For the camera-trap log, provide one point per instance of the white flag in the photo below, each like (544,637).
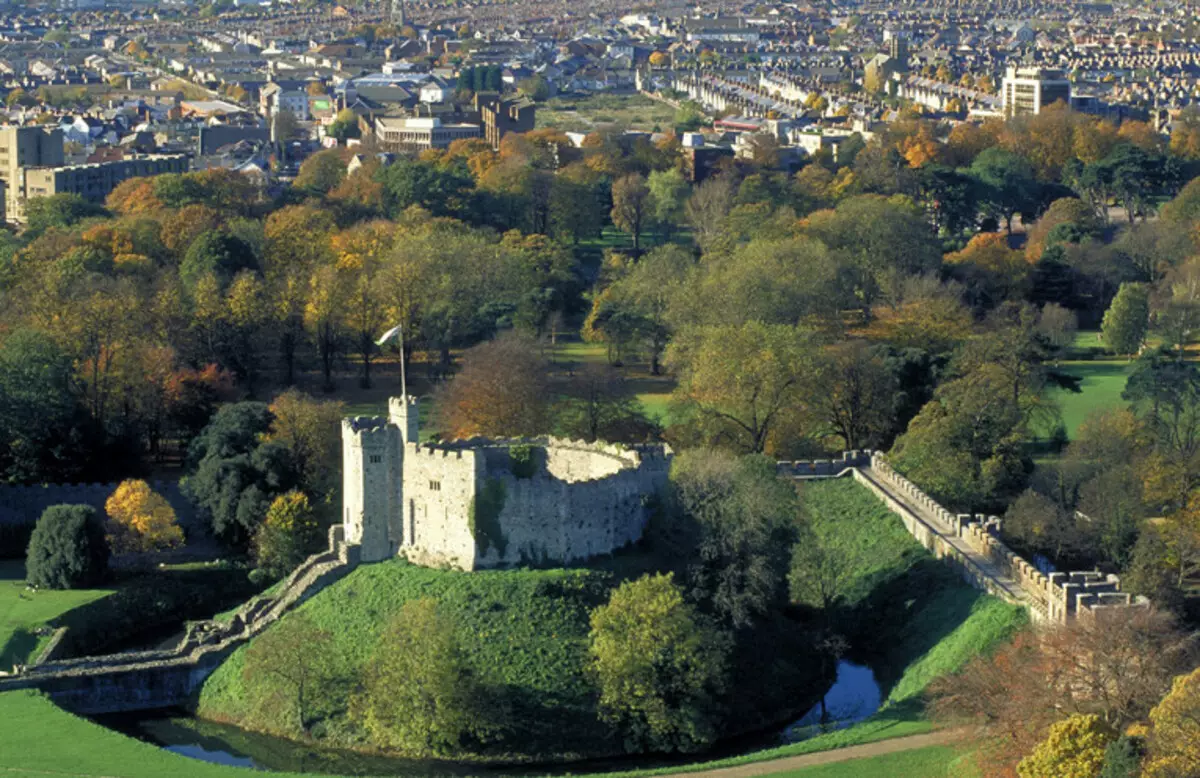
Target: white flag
(389,335)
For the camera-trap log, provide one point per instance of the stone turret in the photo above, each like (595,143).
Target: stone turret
(371,468)
(403,412)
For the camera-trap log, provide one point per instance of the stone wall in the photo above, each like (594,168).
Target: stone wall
(25,504)
(465,507)
(148,680)
(973,545)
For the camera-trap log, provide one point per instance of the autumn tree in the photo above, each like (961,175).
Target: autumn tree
(854,394)
(1074,747)
(658,666)
(321,172)
(289,531)
(1175,734)
(360,255)
(310,430)
(140,519)
(743,386)
(601,405)
(500,391)
(631,206)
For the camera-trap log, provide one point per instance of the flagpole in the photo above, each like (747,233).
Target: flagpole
(403,381)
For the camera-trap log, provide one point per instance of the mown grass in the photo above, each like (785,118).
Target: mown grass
(42,739)
(1101,387)
(23,611)
(928,762)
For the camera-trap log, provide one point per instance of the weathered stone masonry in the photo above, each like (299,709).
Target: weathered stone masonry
(483,503)
(973,545)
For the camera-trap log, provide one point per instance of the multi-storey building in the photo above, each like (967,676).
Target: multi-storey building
(1028,90)
(415,134)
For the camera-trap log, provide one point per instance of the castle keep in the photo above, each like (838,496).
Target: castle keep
(490,503)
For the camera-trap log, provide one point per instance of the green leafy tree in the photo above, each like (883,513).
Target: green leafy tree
(631,206)
(40,418)
(1128,319)
(67,549)
(321,172)
(1123,757)
(669,192)
(1008,185)
(659,667)
(419,694)
(1074,749)
(216,253)
(735,523)
(234,475)
(288,673)
(60,210)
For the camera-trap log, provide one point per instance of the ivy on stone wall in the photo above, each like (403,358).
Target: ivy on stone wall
(484,517)
(522,461)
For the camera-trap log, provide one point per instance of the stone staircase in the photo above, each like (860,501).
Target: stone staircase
(141,680)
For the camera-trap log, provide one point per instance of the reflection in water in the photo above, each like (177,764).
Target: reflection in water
(853,697)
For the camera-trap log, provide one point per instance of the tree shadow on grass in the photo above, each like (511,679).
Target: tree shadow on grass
(18,649)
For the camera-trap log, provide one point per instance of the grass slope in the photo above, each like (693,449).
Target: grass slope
(22,612)
(524,631)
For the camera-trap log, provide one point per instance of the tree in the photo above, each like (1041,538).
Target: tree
(60,210)
(419,694)
(1008,184)
(736,524)
(67,548)
(288,533)
(40,417)
(631,206)
(321,172)
(658,59)
(1074,748)
(361,252)
(310,431)
(315,89)
(1123,757)
(854,394)
(659,667)
(1127,320)
(601,405)
(140,519)
(288,671)
(707,208)
(500,391)
(668,196)
(743,384)
(344,126)
(233,474)
(1175,736)
(218,254)
(881,239)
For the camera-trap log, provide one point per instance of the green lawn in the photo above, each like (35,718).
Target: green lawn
(1103,382)
(23,611)
(585,113)
(929,762)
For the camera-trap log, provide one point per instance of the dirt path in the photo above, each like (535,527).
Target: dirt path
(787,764)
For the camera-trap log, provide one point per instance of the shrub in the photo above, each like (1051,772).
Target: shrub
(67,549)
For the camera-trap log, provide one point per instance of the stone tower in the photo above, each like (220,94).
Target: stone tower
(372,477)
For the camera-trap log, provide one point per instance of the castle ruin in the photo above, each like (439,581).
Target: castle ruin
(483,503)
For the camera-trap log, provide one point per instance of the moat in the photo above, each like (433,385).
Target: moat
(854,696)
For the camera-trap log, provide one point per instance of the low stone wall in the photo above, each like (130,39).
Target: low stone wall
(146,680)
(824,468)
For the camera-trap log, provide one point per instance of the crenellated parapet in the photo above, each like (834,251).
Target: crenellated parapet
(490,502)
(974,544)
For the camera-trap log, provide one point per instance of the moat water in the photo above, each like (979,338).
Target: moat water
(854,695)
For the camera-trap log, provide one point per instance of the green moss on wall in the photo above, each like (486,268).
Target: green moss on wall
(522,461)
(484,518)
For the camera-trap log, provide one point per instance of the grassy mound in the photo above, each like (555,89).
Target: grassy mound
(523,632)
(23,612)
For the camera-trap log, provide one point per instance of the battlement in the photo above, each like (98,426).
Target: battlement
(824,468)
(480,502)
(355,424)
